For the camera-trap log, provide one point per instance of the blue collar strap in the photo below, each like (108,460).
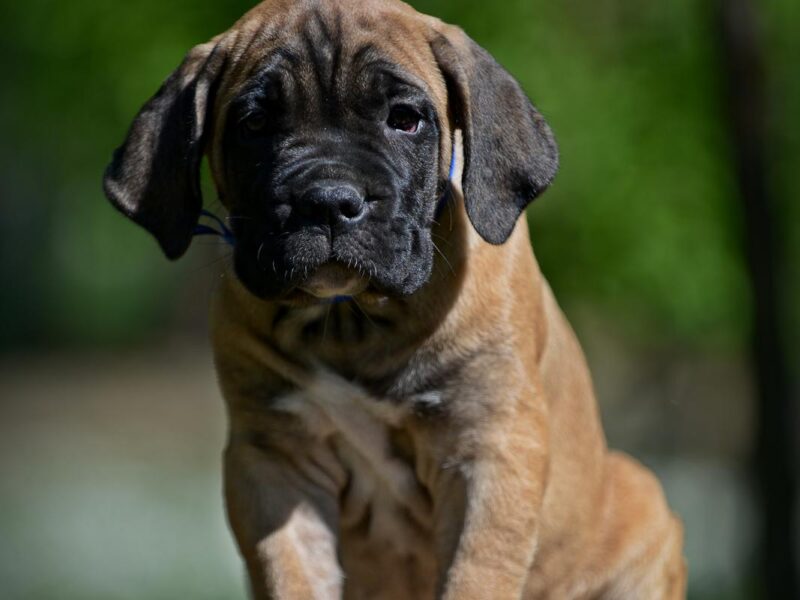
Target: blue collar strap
(226,234)
(452,172)
(446,196)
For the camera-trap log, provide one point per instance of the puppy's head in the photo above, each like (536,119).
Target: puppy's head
(328,126)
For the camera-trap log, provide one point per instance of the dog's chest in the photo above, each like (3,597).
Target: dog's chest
(371,449)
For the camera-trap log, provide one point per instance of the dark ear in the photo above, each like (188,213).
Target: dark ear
(510,154)
(154,177)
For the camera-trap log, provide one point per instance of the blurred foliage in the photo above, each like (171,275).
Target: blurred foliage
(642,223)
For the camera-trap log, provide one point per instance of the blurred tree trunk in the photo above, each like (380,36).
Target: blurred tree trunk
(775,462)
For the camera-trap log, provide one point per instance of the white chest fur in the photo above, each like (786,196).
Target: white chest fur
(382,487)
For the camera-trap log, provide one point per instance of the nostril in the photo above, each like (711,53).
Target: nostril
(332,203)
(351,207)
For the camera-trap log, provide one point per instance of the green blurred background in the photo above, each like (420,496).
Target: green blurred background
(111,422)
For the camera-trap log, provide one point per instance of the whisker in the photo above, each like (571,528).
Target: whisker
(214,262)
(444,240)
(325,322)
(363,312)
(258,256)
(211,241)
(444,257)
(450,210)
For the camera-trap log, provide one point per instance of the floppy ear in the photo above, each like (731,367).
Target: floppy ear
(154,177)
(510,154)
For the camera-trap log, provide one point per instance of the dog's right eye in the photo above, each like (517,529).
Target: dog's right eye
(254,123)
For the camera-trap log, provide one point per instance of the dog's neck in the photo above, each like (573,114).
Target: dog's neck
(371,336)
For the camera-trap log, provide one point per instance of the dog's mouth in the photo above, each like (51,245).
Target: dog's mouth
(332,280)
(309,266)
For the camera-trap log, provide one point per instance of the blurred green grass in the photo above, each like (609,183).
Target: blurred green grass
(641,223)
(110,479)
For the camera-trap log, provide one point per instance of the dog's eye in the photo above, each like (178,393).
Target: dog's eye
(404,118)
(254,122)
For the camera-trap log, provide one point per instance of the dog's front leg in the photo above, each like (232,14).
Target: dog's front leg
(284,522)
(488,505)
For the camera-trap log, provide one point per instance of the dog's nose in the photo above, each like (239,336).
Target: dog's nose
(335,204)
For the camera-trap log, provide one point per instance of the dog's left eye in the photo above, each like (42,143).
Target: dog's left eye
(404,118)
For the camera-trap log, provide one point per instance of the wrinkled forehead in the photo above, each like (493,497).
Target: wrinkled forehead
(321,42)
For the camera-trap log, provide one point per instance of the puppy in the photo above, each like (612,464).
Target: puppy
(410,414)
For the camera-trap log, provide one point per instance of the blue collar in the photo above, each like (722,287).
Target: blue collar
(446,195)
(227,235)
(224,232)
